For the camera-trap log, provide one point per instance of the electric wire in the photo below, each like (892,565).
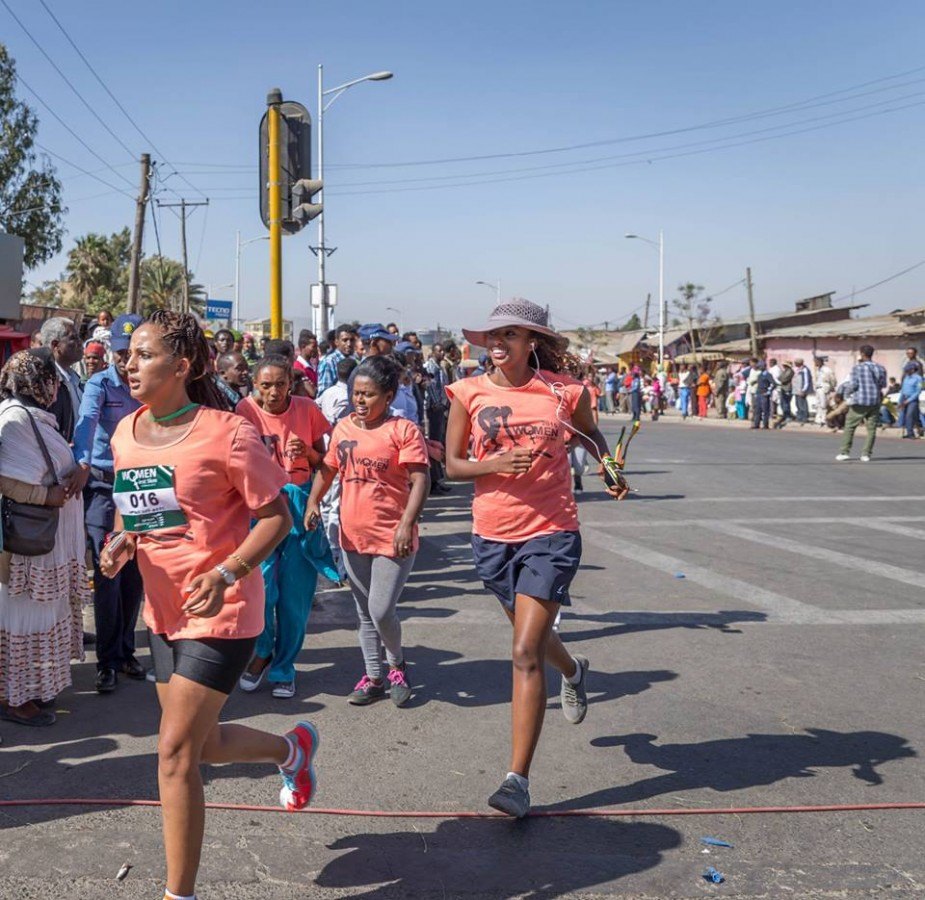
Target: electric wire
(638,137)
(808,103)
(647,157)
(646,161)
(882,281)
(68,81)
(72,133)
(115,100)
(83,171)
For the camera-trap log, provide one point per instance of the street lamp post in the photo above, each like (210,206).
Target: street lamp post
(321,328)
(660,246)
(495,287)
(238,246)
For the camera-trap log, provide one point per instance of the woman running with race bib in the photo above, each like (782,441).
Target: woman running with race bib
(520,418)
(188,480)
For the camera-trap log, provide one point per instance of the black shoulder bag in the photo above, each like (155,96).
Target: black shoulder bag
(28,529)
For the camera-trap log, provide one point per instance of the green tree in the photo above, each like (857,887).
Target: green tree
(97,272)
(162,286)
(30,193)
(632,324)
(697,313)
(48,293)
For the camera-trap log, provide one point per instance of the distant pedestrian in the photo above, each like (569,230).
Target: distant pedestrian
(635,393)
(685,383)
(825,383)
(866,386)
(802,388)
(764,387)
(703,394)
(720,388)
(610,390)
(909,395)
(785,394)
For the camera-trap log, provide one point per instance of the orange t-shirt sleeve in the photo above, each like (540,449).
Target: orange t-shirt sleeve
(412,450)
(255,476)
(319,424)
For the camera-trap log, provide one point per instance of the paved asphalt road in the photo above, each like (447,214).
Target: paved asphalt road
(784,667)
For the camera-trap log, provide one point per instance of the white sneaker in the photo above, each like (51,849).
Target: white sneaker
(284,690)
(842,457)
(865,459)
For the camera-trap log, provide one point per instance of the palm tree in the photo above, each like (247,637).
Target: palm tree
(89,267)
(162,286)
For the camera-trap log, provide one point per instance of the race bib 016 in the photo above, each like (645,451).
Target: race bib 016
(147,499)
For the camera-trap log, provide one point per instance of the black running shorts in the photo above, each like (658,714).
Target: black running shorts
(215,663)
(542,567)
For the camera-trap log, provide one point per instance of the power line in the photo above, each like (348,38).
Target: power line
(83,170)
(73,134)
(67,80)
(877,284)
(638,137)
(808,103)
(634,158)
(113,97)
(645,160)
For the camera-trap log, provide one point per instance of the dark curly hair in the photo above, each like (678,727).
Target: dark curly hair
(550,352)
(186,340)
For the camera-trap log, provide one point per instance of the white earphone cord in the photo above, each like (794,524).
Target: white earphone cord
(561,398)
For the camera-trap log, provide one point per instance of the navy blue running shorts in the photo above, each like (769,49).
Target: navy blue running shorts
(215,663)
(542,567)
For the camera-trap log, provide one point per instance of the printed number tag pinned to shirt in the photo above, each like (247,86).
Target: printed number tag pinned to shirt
(147,499)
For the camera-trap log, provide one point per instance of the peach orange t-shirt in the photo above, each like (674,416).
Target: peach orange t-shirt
(190,504)
(515,508)
(373,467)
(303,419)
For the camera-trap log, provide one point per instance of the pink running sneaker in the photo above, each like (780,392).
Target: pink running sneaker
(400,690)
(300,782)
(366,691)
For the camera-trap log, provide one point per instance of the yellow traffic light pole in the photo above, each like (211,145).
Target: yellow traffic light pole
(275,211)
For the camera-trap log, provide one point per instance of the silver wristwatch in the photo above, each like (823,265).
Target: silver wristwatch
(229,577)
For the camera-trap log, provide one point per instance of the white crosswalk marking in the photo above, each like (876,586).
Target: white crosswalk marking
(872,567)
(780,609)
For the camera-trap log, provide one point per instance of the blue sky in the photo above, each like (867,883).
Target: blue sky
(833,208)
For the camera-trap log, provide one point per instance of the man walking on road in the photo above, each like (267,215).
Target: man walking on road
(865,393)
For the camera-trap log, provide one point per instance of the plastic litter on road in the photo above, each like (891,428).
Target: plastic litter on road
(715,842)
(713,875)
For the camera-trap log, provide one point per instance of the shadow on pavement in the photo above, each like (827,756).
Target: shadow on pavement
(536,858)
(632,623)
(733,764)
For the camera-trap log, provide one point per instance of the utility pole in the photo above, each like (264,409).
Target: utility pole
(752,331)
(645,321)
(274,99)
(184,205)
(134,271)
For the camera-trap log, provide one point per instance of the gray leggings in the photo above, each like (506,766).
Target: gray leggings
(377,583)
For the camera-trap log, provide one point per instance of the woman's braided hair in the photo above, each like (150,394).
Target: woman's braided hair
(186,340)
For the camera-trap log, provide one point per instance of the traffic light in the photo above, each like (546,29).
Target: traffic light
(303,210)
(295,159)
